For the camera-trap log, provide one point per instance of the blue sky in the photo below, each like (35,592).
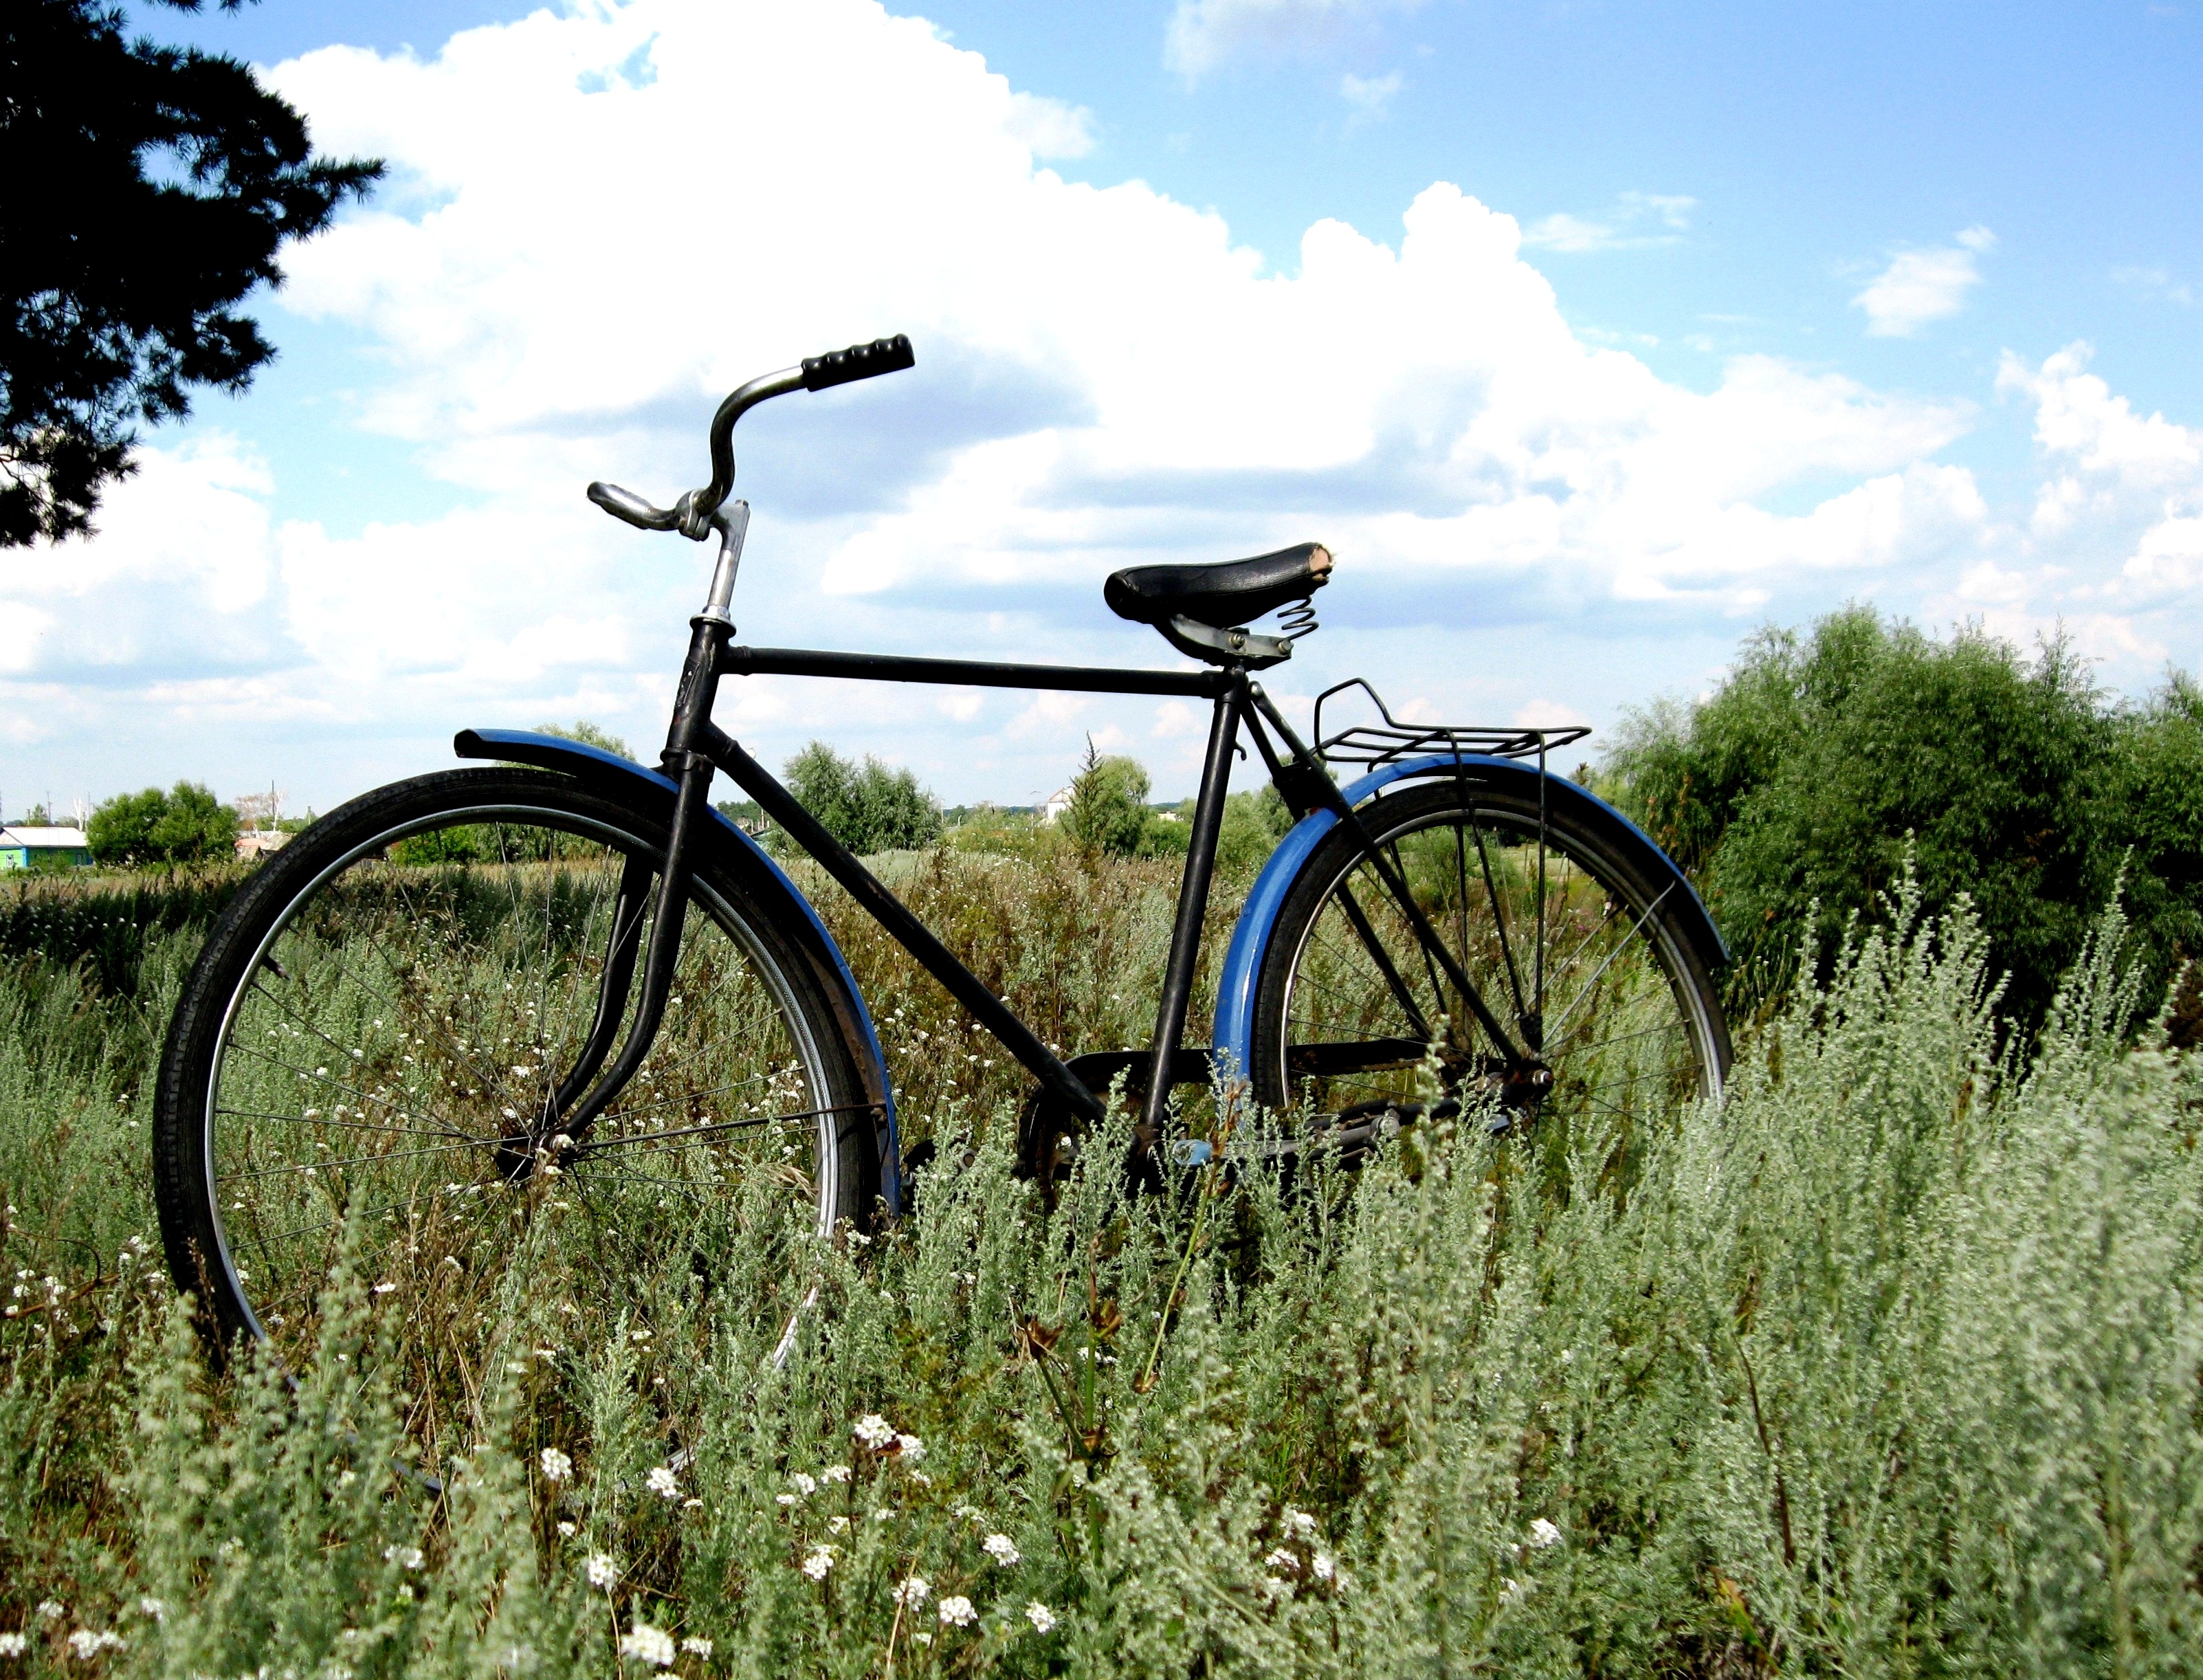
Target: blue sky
(1703,316)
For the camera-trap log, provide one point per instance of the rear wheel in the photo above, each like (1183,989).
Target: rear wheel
(378,1028)
(1589,953)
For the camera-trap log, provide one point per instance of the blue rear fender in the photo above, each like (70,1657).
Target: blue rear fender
(1258,918)
(637,782)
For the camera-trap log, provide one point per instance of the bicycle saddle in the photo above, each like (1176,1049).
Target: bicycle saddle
(1222,596)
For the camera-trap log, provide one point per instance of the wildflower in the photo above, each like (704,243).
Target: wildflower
(697,1648)
(1283,1561)
(921,1639)
(957,1612)
(405,1557)
(692,1505)
(818,1562)
(1299,1523)
(648,1644)
(783,1498)
(804,1484)
(910,1448)
(152,1607)
(1544,1534)
(87,1644)
(835,1473)
(839,1525)
(51,1608)
(1002,1548)
(1512,1591)
(13,1644)
(603,1571)
(566,1530)
(1041,1618)
(662,1484)
(874,1431)
(912,1591)
(557,1466)
(1323,1568)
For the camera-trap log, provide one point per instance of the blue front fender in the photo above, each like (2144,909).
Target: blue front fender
(1250,937)
(551,752)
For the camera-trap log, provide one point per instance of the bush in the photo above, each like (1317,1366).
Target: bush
(1796,791)
(868,807)
(186,824)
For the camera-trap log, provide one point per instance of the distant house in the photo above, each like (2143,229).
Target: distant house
(257,843)
(21,846)
(1055,805)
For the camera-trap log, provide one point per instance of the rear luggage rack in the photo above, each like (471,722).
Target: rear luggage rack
(1372,744)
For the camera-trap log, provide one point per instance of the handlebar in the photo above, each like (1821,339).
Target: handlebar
(692,515)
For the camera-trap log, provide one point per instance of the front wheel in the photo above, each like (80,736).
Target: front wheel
(381,1024)
(1580,942)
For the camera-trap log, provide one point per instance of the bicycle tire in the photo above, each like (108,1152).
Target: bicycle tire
(397,939)
(1612,990)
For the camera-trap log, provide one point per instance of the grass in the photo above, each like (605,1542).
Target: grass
(1890,1366)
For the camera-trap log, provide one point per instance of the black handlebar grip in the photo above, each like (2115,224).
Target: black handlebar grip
(859,361)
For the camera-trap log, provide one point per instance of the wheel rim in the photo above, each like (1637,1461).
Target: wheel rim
(401,1026)
(1583,978)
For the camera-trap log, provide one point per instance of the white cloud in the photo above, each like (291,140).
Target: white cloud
(561,283)
(1634,219)
(1371,97)
(1202,34)
(1919,286)
(1050,128)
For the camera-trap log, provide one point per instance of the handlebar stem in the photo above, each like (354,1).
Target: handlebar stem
(732,526)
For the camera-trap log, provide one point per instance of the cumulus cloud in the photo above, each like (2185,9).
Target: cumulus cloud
(1919,286)
(1634,219)
(594,232)
(1202,34)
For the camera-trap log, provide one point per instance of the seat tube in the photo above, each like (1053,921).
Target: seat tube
(1192,906)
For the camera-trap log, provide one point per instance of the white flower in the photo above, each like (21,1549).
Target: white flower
(697,1648)
(1002,1548)
(13,1644)
(662,1484)
(87,1644)
(153,1607)
(1323,1568)
(648,1644)
(1544,1534)
(957,1612)
(1512,1591)
(912,1591)
(820,1559)
(804,1484)
(384,1288)
(1285,1560)
(557,1466)
(1299,1523)
(911,1448)
(783,1498)
(566,1530)
(603,1571)
(51,1608)
(874,1431)
(692,1505)
(1041,1618)
(835,1473)
(405,1557)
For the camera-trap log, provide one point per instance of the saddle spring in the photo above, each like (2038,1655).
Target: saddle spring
(1296,619)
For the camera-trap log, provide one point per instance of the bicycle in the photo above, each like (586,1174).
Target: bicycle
(562,982)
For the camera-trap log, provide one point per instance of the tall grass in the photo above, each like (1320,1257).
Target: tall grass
(1888,1366)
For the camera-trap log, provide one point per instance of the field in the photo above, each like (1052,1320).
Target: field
(1890,1366)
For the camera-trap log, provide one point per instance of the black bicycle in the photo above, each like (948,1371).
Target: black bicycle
(562,983)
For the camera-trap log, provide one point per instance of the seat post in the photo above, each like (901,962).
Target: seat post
(1192,906)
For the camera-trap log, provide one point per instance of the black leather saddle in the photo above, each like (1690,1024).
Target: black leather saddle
(1200,609)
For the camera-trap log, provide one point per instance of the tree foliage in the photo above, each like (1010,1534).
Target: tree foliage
(1795,792)
(186,824)
(145,191)
(868,807)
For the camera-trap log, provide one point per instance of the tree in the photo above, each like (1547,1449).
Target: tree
(145,191)
(589,735)
(186,824)
(1109,811)
(868,807)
